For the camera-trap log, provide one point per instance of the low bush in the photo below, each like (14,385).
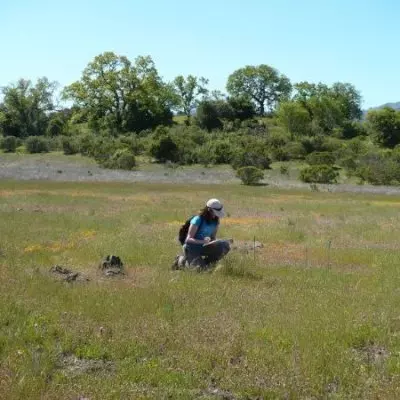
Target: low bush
(164,149)
(251,158)
(250,175)
(37,144)
(9,144)
(321,158)
(319,174)
(70,145)
(295,151)
(216,152)
(378,169)
(121,159)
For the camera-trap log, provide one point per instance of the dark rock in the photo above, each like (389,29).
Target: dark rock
(58,269)
(111,261)
(112,266)
(67,275)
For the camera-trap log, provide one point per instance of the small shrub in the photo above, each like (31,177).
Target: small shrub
(278,139)
(207,116)
(216,152)
(349,164)
(56,126)
(312,143)
(121,159)
(320,158)
(349,130)
(250,175)
(284,170)
(9,144)
(319,174)
(251,158)
(87,144)
(165,149)
(70,145)
(37,144)
(356,146)
(295,151)
(55,143)
(280,154)
(103,149)
(131,143)
(332,145)
(378,169)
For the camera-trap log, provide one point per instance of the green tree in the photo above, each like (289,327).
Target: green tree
(328,107)
(295,118)
(122,95)
(25,108)
(242,108)
(262,84)
(165,149)
(188,93)
(210,114)
(385,124)
(207,116)
(349,99)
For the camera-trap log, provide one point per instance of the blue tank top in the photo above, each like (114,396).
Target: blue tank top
(206,229)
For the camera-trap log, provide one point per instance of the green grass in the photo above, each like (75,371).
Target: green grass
(313,314)
(180,119)
(51,157)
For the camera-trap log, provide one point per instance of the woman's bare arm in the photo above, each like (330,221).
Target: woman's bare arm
(192,233)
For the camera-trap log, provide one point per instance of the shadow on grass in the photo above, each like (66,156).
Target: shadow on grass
(259,184)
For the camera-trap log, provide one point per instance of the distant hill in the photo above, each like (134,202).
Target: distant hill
(396,106)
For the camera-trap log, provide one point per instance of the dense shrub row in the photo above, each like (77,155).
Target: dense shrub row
(253,144)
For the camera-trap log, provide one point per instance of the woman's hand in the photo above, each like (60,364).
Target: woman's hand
(207,240)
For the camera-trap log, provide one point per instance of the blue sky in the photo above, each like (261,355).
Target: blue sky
(333,40)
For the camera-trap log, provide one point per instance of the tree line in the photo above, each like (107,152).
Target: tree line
(117,100)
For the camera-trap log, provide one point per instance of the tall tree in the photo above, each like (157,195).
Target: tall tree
(294,117)
(189,92)
(121,95)
(385,124)
(349,98)
(264,85)
(329,107)
(25,107)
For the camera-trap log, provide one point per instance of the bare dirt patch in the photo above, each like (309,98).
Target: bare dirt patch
(371,354)
(246,246)
(74,366)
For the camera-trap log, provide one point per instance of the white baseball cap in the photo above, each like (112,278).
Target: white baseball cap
(217,207)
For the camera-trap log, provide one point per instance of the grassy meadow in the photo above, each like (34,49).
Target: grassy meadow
(313,314)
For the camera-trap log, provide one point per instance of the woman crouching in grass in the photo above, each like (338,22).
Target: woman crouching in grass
(201,249)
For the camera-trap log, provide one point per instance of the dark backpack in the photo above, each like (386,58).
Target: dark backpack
(184,229)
